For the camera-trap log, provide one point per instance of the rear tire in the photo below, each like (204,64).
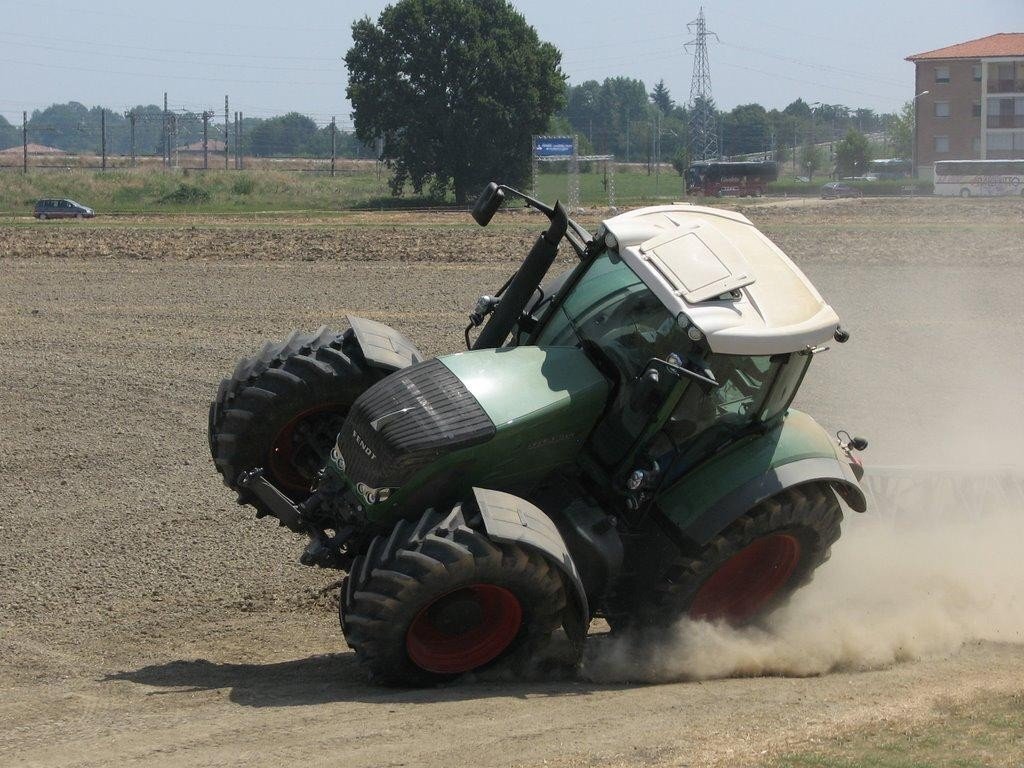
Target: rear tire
(965,192)
(437,598)
(752,567)
(282,409)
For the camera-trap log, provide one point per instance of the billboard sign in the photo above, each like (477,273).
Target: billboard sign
(553,146)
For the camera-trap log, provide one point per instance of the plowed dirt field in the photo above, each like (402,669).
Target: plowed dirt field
(147,619)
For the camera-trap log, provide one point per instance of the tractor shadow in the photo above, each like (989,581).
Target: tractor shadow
(337,677)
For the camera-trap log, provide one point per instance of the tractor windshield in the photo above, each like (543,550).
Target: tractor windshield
(611,307)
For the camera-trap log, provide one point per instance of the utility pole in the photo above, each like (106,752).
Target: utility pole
(167,136)
(207,114)
(172,144)
(237,120)
(703,133)
(131,122)
(334,144)
(238,142)
(657,152)
(24,142)
(103,139)
(225,132)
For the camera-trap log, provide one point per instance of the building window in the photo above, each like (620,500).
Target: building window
(1000,142)
(942,109)
(942,74)
(976,71)
(976,145)
(976,109)
(941,145)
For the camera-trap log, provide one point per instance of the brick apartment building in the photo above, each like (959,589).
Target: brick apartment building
(974,105)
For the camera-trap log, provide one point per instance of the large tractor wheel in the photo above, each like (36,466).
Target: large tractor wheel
(282,409)
(754,565)
(438,598)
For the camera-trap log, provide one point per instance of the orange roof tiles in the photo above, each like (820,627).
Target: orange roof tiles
(1001,44)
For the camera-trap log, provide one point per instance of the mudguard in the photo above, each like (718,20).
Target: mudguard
(798,451)
(382,345)
(514,520)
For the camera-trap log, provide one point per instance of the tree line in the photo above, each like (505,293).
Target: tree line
(75,128)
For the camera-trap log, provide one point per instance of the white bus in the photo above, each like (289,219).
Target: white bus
(979,178)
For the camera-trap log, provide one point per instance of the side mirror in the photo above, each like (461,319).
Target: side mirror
(487,204)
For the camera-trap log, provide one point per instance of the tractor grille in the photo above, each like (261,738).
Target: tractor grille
(406,421)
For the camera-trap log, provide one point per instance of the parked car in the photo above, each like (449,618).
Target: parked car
(836,189)
(62,209)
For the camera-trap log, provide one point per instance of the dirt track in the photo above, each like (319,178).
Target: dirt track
(146,618)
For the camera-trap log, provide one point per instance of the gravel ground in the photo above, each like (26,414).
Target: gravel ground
(145,618)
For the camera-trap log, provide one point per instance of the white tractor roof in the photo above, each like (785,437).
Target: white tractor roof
(732,282)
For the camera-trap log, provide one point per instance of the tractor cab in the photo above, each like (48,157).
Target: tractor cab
(705,327)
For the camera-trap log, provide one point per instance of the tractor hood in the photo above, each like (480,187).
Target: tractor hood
(517,383)
(494,418)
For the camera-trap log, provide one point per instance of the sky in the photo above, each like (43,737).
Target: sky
(275,57)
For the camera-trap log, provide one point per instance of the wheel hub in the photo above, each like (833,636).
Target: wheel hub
(303,444)
(744,585)
(464,629)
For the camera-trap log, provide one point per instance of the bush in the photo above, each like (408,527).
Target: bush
(243,185)
(187,194)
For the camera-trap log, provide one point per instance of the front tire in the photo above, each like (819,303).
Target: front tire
(437,598)
(282,409)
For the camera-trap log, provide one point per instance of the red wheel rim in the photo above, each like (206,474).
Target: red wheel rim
(748,580)
(286,447)
(464,629)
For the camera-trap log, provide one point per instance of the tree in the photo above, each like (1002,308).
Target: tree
(456,88)
(901,131)
(9,135)
(289,135)
(811,158)
(661,99)
(745,130)
(681,161)
(853,154)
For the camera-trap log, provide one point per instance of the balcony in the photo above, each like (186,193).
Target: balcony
(1006,121)
(1006,86)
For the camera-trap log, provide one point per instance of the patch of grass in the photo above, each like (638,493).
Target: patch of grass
(243,185)
(985,732)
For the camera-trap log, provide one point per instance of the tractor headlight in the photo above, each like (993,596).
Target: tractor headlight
(373,495)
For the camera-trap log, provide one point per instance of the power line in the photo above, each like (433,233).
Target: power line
(189,22)
(177,62)
(211,54)
(153,76)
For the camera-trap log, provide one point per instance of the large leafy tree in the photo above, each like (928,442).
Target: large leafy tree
(456,88)
(853,154)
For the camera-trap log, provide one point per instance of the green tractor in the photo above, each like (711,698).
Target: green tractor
(615,443)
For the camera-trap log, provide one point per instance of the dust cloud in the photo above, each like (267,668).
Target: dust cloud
(897,588)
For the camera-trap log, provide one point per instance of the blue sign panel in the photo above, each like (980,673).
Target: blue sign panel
(552,146)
